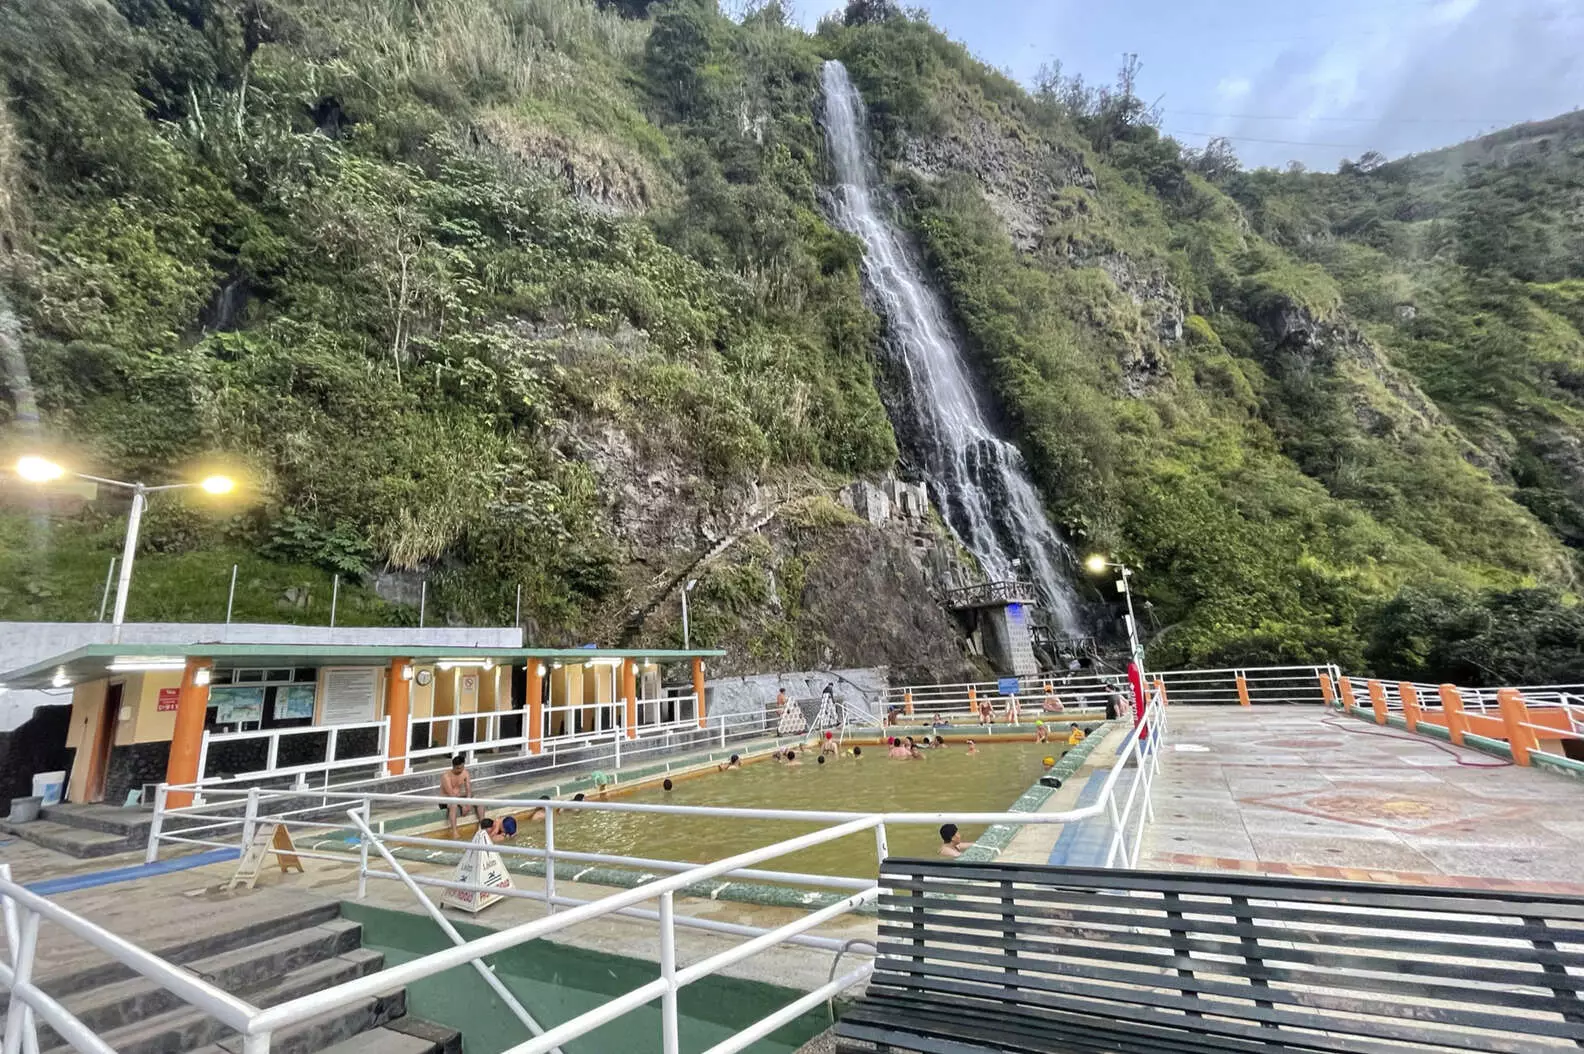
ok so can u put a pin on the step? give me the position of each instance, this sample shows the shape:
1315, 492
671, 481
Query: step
182, 952
73, 841
325, 1031
383, 1041
236, 970
187, 1028
111, 819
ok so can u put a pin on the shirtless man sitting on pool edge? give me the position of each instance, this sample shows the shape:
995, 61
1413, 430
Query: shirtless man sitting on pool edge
456, 783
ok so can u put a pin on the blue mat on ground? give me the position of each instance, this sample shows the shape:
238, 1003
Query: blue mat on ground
70, 883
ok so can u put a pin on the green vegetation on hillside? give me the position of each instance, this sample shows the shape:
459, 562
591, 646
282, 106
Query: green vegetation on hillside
404, 263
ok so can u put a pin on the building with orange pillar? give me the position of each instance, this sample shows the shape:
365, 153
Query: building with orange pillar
146, 714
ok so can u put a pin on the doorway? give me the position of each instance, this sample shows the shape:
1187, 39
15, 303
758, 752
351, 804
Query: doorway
103, 744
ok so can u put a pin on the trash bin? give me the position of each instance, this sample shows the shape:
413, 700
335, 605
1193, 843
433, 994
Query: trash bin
48, 786
23, 810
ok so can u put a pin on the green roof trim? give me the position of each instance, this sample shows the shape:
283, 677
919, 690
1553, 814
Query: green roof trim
91, 662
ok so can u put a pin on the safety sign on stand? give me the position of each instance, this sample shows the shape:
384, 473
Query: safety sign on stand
267, 838
479, 867
1008, 686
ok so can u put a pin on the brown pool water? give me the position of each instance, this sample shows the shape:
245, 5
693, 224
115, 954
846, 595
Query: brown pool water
947, 778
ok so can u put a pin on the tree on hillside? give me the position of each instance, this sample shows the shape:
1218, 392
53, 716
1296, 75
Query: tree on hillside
1217, 161
865, 12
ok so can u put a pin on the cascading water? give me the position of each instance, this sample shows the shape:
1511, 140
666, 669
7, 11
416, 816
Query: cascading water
978, 479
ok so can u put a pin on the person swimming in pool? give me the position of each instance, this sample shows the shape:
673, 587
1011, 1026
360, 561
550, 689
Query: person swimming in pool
828, 744
1041, 733
898, 749
792, 758
733, 762
951, 840
971, 748
856, 752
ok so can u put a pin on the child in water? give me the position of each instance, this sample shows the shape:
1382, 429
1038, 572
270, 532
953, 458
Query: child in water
971, 748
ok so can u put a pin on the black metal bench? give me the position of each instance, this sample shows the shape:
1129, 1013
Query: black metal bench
1005, 957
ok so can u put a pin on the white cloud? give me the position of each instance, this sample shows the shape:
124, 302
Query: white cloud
1232, 90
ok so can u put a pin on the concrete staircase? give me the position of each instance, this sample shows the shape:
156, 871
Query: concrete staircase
86, 831
266, 963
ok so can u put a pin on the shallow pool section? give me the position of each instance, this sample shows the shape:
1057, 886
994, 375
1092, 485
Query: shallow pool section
948, 778
557, 982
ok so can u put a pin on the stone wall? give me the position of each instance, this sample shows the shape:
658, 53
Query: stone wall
753, 694
133, 765
39, 745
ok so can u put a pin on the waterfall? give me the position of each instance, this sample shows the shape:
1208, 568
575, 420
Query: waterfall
979, 480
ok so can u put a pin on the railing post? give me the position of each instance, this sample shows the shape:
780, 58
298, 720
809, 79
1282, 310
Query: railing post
363, 848
550, 889
616, 738
723, 731
1377, 694
1345, 686
1410, 705
1452, 710
151, 853
203, 758
13, 936
1327, 693
907, 701
882, 846
670, 1042
250, 818
973, 701
1242, 689
259, 1044
384, 746
22, 975
1515, 715
271, 757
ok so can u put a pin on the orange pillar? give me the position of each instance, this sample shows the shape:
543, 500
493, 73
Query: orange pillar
973, 701
1327, 693
1410, 705
1515, 715
698, 687
907, 700
1452, 710
1377, 696
398, 708
1160, 689
629, 680
1242, 687
192, 704
535, 689
1348, 700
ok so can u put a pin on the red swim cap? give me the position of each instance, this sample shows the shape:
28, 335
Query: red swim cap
829, 735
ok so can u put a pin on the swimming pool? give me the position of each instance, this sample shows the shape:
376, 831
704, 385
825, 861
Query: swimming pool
947, 778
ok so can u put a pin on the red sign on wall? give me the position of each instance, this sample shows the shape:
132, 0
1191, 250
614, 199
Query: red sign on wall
169, 698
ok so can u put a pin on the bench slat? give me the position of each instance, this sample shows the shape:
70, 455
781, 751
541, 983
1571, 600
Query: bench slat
1326, 1005
1075, 961
1465, 970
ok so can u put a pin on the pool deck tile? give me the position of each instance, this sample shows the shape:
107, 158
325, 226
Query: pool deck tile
1304, 791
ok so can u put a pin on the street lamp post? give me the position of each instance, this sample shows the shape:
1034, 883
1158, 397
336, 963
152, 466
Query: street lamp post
36, 469
1098, 564
685, 591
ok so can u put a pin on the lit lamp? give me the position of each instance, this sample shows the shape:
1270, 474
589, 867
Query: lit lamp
37, 469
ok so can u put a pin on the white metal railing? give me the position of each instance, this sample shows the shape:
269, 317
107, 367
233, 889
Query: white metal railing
272, 738
1124, 800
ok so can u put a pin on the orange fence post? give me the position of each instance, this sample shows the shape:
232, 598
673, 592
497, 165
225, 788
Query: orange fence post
1515, 715
973, 701
1327, 693
1410, 704
1349, 701
907, 700
535, 689
698, 688
1160, 688
1377, 696
1242, 687
1452, 709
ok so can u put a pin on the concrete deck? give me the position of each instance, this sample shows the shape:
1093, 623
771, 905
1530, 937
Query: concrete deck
1299, 791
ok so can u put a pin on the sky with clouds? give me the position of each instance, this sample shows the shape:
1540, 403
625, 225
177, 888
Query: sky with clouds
1307, 80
